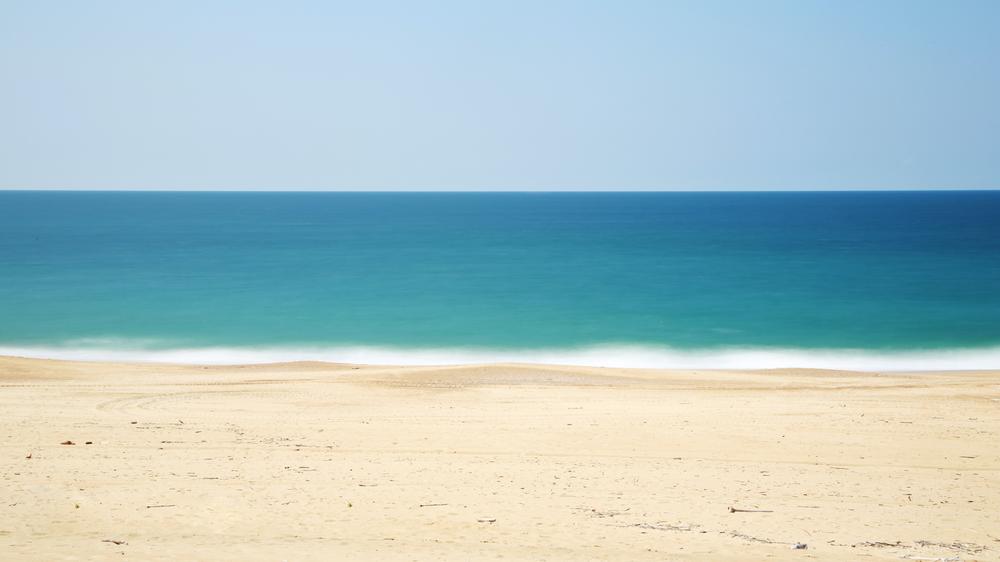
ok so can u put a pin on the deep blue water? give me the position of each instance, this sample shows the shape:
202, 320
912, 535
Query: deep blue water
880, 271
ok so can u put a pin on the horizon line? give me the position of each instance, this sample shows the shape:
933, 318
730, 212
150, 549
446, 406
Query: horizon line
493, 190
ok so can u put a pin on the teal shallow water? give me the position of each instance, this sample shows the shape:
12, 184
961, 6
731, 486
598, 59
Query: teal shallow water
501, 275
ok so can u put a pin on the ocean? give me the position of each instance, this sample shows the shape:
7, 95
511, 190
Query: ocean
879, 280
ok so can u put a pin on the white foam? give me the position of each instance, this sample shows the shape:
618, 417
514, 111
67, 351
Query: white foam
596, 356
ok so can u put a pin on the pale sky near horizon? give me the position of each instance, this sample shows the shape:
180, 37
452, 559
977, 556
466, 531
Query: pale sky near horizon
547, 95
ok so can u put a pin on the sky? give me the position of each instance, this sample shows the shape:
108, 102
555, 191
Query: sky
505, 94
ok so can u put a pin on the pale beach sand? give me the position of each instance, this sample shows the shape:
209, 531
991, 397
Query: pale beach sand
309, 461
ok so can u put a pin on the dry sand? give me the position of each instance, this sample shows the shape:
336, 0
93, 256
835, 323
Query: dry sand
312, 461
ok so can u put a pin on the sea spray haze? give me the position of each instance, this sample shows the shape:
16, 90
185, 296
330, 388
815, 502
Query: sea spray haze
881, 279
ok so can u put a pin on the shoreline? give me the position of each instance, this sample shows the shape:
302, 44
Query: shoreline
621, 356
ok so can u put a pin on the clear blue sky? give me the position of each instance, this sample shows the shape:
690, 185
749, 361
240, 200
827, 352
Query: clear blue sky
538, 94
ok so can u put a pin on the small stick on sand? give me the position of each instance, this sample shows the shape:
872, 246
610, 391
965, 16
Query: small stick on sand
432, 504
734, 510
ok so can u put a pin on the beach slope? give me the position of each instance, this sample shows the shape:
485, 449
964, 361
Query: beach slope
314, 461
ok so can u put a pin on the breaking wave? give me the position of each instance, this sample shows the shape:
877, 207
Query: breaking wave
634, 356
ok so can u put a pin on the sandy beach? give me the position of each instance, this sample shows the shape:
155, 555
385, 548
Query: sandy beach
311, 461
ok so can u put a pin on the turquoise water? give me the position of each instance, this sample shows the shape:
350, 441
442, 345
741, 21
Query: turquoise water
658, 279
